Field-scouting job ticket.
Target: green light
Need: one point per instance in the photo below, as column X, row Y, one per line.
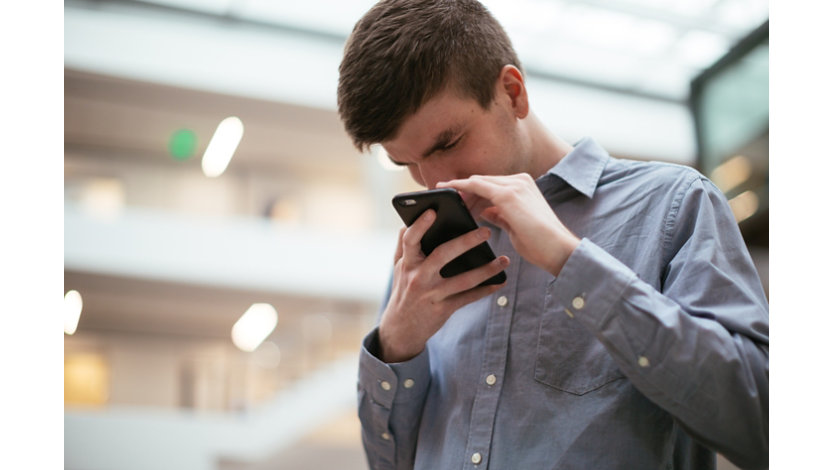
column 183, row 143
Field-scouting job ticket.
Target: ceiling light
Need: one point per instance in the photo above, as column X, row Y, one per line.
column 72, row 311
column 222, row 146
column 103, row 198
column 744, row 205
column 732, row 173
column 254, row 326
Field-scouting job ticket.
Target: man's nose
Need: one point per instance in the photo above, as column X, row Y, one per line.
column 430, row 176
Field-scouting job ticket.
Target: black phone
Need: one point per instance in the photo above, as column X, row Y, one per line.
column 453, row 220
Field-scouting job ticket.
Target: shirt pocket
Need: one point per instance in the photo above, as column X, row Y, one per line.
column 568, row 357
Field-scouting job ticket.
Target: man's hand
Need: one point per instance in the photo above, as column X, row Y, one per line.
column 515, row 204
column 421, row 300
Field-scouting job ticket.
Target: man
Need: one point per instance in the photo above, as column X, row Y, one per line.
column 632, row 331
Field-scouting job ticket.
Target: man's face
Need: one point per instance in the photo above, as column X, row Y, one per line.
column 451, row 137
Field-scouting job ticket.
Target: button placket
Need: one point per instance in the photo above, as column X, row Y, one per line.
column 493, row 364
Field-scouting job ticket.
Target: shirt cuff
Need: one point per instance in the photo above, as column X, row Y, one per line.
column 590, row 283
column 396, row 382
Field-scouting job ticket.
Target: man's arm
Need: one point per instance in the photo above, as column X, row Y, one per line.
column 698, row 348
column 394, row 364
column 391, row 398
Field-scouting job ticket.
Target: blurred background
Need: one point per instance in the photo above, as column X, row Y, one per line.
column 216, row 295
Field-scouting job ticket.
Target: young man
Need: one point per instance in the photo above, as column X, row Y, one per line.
column 632, row 331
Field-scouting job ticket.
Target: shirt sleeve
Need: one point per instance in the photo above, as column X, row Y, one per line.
column 698, row 348
column 391, row 399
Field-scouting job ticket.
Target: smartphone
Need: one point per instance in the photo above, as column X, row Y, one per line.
column 453, row 220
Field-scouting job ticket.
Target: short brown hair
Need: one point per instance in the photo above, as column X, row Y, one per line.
column 404, row 52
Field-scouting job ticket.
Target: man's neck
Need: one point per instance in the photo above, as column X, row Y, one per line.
column 547, row 149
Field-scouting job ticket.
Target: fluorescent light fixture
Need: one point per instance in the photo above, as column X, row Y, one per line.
column 744, row 205
column 72, row 311
column 222, row 146
column 732, row 173
column 254, row 326
column 103, row 198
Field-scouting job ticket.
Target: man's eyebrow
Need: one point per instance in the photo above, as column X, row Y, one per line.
column 443, row 139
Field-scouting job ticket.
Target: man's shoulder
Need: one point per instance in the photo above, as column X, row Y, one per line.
column 651, row 173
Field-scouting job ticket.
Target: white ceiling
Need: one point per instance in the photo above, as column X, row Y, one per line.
column 651, row 47
column 617, row 71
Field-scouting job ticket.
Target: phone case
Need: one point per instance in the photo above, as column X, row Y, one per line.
column 453, row 220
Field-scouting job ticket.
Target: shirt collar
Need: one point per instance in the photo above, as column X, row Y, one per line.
column 581, row 168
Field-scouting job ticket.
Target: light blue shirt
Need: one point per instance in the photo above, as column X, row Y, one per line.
column 648, row 351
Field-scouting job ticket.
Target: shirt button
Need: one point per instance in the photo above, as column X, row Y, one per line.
column 386, row 436
column 643, row 361
column 491, row 379
column 408, row 383
column 476, row 458
column 502, row 301
column 578, row 303
column 385, row 385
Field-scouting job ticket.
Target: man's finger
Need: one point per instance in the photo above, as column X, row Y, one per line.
column 457, row 246
column 414, row 233
column 473, row 278
column 483, row 186
column 493, row 215
column 398, row 253
column 466, row 297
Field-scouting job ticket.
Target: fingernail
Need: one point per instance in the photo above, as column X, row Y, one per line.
column 504, row 261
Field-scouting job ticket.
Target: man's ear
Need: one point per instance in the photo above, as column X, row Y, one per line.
column 511, row 84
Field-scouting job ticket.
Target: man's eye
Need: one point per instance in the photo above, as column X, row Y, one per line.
column 450, row 145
